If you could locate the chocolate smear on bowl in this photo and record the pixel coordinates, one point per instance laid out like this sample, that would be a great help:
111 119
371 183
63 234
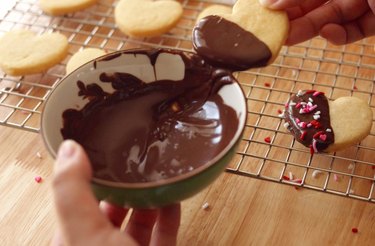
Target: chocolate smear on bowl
223 43
145 132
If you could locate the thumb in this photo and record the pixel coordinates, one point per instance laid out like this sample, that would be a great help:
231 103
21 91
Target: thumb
281 4
77 209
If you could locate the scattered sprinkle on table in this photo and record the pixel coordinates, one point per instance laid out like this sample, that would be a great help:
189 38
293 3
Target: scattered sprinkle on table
355 88
267 140
267 84
279 111
335 177
291 176
206 206
299 181
355 230
315 174
286 177
38 179
39 155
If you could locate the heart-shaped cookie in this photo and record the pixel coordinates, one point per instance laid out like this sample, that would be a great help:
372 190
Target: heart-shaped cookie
327 126
59 7
145 18
251 36
23 52
215 9
81 57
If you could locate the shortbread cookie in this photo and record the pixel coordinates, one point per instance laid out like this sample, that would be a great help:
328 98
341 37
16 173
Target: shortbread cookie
145 18
251 36
61 7
23 52
215 9
81 57
327 126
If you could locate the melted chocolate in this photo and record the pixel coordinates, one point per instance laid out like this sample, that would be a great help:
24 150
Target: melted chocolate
223 43
307 118
149 131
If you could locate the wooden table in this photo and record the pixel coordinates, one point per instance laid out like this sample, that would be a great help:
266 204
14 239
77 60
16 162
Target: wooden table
241 210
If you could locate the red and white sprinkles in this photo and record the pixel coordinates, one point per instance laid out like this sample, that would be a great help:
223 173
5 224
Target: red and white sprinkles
308 107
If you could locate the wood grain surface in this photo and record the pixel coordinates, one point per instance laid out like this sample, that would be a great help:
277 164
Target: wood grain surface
240 210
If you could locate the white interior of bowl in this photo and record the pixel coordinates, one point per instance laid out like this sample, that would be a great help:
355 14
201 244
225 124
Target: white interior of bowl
167 66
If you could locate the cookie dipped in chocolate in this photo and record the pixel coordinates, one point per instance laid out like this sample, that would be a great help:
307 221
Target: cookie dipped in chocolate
307 118
145 132
223 43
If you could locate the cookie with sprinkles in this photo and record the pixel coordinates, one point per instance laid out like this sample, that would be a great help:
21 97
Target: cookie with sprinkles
327 126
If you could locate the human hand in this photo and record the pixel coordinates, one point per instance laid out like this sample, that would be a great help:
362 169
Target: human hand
82 222
339 21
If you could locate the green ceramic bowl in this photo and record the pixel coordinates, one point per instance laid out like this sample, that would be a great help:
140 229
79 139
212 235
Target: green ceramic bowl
167 66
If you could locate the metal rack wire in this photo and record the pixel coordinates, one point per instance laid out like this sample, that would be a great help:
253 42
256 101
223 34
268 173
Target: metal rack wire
316 64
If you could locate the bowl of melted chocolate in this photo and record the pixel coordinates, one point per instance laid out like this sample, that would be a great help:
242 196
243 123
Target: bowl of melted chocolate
158 125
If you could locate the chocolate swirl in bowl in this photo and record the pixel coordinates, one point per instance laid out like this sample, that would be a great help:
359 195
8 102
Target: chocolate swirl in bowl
144 132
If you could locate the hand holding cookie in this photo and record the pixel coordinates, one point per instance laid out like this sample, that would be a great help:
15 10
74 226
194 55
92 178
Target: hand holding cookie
250 36
340 22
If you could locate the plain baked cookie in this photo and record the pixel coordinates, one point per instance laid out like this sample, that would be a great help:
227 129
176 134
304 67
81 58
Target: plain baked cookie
81 57
327 126
23 52
61 7
146 18
251 36
215 9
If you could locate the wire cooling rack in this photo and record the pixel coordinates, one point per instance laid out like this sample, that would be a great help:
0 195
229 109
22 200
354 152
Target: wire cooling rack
316 64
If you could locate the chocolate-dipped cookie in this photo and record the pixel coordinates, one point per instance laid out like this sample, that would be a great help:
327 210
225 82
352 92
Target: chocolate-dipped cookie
250 36
327 126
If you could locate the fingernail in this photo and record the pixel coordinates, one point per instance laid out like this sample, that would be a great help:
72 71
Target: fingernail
267 3
66 149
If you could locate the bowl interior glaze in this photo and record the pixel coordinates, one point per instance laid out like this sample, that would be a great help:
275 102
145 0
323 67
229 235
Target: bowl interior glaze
166 66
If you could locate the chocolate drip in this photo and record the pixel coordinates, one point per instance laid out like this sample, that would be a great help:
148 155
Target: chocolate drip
223 43
307 118
149 131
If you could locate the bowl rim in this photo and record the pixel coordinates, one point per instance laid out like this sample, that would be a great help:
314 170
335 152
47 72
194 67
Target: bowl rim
161 182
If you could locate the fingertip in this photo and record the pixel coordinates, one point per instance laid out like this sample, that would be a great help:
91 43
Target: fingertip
300 30
72 160
114 213
280 4
167 225
171 215
267 3
66 149
334 33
